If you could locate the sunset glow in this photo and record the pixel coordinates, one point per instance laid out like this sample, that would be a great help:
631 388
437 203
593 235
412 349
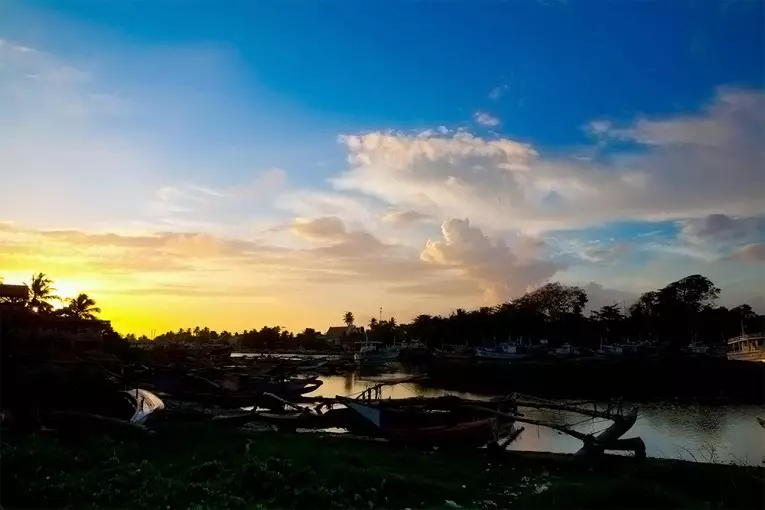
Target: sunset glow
186 176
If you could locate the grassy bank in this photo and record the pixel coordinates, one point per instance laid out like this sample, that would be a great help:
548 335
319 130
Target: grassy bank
678 377
199 467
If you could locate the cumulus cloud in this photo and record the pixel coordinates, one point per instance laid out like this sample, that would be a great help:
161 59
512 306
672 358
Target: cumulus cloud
599 296
486 119
751 253
498 270
326 228
690 166
404 218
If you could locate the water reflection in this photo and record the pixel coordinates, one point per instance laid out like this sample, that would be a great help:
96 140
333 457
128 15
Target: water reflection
679 431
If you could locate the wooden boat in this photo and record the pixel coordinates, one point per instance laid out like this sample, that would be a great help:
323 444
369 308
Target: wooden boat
308 419
232 390
761 422
505 351
747 347
458 352
424 426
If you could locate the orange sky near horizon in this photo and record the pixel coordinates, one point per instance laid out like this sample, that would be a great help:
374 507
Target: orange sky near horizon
148 285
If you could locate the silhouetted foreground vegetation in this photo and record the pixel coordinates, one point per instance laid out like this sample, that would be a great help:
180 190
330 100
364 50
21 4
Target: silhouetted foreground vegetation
203 468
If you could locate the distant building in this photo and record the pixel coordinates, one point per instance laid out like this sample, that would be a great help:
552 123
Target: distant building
342 336
13 296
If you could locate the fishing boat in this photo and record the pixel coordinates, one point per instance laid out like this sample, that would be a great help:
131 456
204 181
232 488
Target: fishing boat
454 352
423 426
232 389
565 350
504 351
371 353
747 347
619 349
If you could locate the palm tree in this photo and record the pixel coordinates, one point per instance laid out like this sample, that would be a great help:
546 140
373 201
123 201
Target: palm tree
348 318
40 292
82 307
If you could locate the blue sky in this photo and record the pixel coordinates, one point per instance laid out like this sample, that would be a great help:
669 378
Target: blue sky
591 127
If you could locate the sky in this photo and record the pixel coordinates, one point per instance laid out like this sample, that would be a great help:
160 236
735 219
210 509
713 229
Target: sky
239 164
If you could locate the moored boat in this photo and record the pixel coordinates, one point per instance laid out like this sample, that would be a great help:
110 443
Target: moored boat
746 347
454 352
504 351
421 426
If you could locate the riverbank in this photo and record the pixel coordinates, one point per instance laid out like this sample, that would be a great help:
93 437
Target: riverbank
200 467
648 378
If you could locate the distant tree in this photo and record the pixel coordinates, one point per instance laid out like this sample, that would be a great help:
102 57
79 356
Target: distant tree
555 299
81 307
372 323
41 292
348 318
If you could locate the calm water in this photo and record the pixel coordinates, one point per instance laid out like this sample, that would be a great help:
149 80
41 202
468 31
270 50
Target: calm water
678 431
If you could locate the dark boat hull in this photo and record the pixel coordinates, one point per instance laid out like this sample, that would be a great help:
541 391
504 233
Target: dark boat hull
425 427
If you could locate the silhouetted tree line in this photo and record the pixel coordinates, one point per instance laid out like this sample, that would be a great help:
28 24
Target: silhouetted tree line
265 338
677 314
40 294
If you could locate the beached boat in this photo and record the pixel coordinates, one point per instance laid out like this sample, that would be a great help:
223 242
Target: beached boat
421 426
747 347
761 421
307 419
232 389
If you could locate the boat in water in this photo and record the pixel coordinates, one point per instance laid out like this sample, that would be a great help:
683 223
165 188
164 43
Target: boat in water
376 353
747 347
454 352
505 351
425 426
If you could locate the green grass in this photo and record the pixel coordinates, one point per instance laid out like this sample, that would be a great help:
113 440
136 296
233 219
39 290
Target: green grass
201 467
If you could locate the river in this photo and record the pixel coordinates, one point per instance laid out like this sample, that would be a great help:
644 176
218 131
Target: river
720 434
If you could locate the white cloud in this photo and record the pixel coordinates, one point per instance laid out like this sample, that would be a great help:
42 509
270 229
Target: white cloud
599 296
690 166
486 119
497 92
326 228
399 218
501 272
